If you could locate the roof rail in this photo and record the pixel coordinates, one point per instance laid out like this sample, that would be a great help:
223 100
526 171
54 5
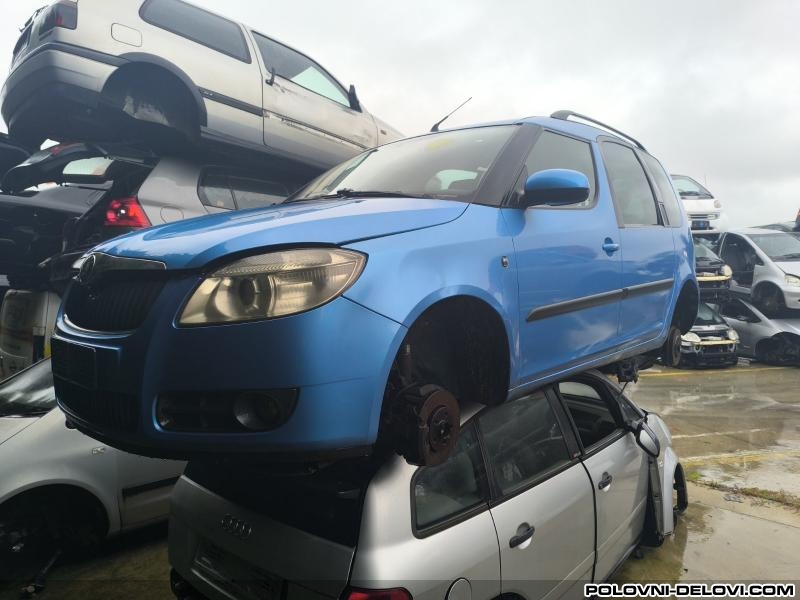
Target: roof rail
564 115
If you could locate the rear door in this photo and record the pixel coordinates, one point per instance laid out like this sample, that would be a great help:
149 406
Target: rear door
647 247
544 512
617 466
307 112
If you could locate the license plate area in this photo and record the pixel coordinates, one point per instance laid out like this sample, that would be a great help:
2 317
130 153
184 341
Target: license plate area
235 576
74 363
702 224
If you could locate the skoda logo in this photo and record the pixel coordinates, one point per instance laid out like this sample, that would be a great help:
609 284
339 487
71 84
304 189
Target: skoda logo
236 527
87 268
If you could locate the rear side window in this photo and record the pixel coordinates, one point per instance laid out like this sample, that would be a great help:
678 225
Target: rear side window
554 151
197 25
632 194
524 442
452 488
665 190
231 192
299 69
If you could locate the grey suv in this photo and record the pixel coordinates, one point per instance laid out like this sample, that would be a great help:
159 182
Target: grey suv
96 68
541 495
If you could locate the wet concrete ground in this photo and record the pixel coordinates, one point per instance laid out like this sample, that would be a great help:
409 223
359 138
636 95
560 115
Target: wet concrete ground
736 428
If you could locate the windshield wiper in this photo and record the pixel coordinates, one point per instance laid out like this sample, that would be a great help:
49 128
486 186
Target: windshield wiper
348 193
792 256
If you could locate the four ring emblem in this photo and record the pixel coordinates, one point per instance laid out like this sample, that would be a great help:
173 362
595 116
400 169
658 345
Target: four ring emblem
236 527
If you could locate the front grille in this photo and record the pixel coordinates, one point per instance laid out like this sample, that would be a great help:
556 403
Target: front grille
112 305
73 363
102 408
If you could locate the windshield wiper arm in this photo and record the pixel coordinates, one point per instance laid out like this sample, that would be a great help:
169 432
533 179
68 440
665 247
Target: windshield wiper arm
348 193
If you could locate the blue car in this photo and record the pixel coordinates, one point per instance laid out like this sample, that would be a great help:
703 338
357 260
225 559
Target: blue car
465 266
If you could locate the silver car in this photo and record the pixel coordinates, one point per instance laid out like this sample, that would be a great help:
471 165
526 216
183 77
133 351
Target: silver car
766 267
78 67
541 495
59 488
771 341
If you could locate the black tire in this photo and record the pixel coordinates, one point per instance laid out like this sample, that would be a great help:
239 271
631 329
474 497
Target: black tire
680 495
770 300
671 351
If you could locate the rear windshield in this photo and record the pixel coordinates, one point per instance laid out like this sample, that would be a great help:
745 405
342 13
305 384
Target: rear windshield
325 502
450 165
198 25
28 393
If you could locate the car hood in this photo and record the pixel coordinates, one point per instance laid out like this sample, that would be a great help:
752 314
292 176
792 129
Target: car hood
196 242
787 325
790 267
11 426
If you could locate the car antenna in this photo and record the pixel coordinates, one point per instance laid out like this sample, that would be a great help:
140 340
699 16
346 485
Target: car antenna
435 128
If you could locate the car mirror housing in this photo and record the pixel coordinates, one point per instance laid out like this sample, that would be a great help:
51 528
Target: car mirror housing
555 187
647 439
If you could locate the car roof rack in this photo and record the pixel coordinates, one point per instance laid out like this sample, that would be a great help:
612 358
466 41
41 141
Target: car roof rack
564 115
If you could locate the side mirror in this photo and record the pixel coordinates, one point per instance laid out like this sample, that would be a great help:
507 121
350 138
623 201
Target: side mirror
353 98
647 440
555 187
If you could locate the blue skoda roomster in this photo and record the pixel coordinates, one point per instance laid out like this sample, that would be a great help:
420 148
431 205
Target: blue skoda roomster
463 266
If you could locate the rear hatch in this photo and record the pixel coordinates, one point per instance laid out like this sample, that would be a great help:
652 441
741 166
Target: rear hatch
254 532
77 183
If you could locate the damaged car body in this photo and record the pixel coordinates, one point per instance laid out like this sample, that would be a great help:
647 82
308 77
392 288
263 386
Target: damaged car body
771 341
711 342
379 299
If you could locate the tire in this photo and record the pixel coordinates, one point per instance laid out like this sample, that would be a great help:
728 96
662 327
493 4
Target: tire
770 300
680 495
671 351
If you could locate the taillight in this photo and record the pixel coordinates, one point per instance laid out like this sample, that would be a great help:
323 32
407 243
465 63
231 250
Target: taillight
61 14
389 594
126 212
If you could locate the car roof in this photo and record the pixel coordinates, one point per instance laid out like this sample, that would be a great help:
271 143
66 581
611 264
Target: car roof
756 230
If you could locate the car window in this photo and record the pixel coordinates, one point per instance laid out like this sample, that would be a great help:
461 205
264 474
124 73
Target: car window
554 151
198 25
453 487
299 69
215 191
630 413
665 190
590 411
708 316
689 187
632 194
524 441
29 393
420 166
735 309
780 247
252 193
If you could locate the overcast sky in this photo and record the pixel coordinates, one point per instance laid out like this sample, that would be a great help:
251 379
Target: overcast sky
711 87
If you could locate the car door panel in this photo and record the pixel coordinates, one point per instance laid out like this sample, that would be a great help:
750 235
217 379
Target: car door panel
145 485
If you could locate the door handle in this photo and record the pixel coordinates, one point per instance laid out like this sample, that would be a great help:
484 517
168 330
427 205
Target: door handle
605 482
524 533
610 246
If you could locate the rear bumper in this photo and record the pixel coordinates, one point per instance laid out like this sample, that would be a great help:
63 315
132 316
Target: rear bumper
53 77
338 356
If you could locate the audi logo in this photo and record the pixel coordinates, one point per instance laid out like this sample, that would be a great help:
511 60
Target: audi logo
236 527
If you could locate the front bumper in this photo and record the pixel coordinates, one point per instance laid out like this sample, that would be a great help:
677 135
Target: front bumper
714 288
710 354
338 356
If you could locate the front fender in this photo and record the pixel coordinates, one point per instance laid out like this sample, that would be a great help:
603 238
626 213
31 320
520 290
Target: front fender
667 465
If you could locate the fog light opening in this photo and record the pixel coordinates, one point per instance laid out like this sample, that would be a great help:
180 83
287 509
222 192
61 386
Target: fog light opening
259 411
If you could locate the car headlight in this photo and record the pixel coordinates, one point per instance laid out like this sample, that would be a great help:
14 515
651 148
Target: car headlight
792 280
726 271
691 338
732 335
717 203
273 285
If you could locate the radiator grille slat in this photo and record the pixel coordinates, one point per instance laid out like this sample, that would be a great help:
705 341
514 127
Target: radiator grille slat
112 306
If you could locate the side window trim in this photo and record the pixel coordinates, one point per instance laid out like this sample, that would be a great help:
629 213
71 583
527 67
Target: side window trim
662 202
484 485
316 65
617 209
248 59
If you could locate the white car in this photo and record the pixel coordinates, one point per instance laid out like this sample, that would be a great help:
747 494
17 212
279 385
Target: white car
92 69
60 489
27 319
705 212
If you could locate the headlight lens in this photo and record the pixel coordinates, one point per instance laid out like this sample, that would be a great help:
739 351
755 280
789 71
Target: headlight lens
726 271
732 335
273 285
793 280
717 203
691 338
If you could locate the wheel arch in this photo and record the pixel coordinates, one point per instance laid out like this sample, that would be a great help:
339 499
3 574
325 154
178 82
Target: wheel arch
668 471
686 306
153 63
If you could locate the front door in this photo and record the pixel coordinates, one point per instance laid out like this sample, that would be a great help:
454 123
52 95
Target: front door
307 113
568 265
617 466
544 512
649 262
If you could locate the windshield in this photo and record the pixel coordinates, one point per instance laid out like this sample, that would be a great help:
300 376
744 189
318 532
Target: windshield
780 247
28 393
702 251
689 187
449 165
708 316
